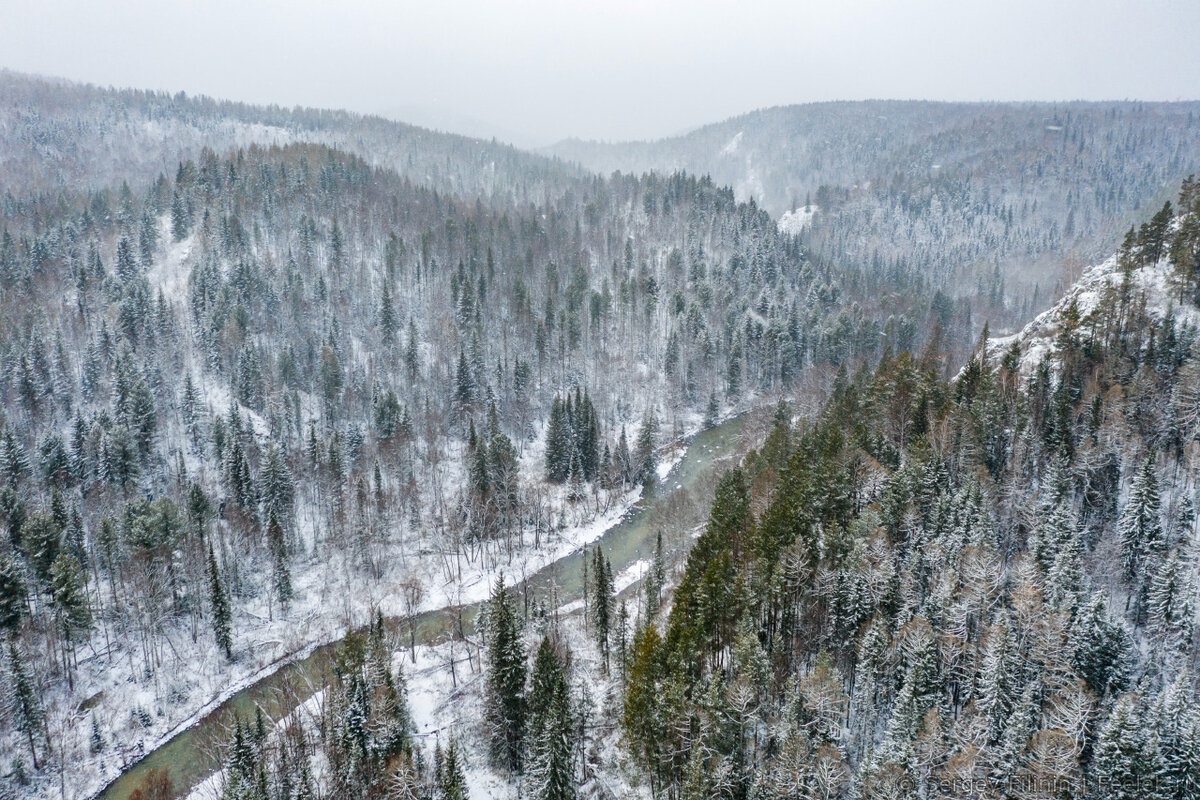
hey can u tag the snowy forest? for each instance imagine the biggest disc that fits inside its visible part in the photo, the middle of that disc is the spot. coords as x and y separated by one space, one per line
278 381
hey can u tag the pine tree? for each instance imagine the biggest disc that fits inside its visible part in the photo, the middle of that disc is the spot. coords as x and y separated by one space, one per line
504 698
219 603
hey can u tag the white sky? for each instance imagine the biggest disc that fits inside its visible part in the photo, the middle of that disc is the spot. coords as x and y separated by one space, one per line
541 70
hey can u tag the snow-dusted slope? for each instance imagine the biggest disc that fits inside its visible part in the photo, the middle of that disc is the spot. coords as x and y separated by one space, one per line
1152 283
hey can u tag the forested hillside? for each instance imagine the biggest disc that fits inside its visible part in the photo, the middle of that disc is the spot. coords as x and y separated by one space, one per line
971 196
58 135
978 587
254 400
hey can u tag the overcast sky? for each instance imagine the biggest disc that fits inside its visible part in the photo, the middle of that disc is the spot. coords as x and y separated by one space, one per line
543 70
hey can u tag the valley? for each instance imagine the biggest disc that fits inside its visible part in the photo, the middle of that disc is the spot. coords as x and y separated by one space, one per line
832 450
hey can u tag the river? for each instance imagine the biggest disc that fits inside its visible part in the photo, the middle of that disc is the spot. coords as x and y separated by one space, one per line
680 503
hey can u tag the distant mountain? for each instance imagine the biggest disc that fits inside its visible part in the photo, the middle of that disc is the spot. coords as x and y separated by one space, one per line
57 134
949 189
437 118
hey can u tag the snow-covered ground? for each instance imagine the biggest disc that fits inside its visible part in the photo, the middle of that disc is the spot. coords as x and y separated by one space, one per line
1153 282
445 704
794 222
139 711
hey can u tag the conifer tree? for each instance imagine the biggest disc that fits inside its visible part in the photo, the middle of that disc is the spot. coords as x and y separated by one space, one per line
23 699
655 578
464 381
550 734
996 690
602 604
280 574
412 351
504 698
1172 605
452 783
13 594
622 460
645 455
558 443
218 600
1099 648
643 715
1140 524
388 324
1119 761
71 607
41 540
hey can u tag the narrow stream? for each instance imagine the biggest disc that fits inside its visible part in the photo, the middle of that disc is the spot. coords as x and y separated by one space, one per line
195 753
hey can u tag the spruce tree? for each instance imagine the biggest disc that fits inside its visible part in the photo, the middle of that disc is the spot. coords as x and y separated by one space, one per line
602 604
452 783
464 382
558 443
504 697
67 587
1140 524
623 460
645 457
1119 760
1172 606
1100 648
655 578
13 594
550 734
281 576
388 324
412 361
24 701
218 600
